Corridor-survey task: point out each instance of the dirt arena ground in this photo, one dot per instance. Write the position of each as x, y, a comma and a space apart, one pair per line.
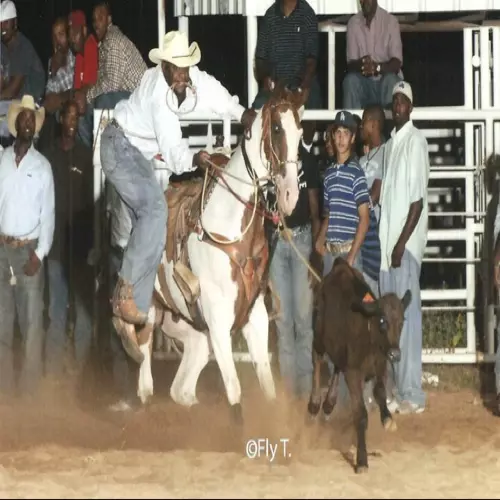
73, 447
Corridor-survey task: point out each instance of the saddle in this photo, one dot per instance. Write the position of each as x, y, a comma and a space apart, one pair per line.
184, 209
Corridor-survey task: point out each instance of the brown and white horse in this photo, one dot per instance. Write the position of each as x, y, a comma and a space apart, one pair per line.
228, 253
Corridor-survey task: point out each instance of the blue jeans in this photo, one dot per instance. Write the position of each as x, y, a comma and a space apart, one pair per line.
124, 369
25, 299
57, 339
294, 325
104, 101
134, 179
360, 91
408, 372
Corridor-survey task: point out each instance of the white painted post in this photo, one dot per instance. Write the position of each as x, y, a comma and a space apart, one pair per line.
496, 67
331, 68
484, 51
183, 24
468, 69
252, 33
161, 22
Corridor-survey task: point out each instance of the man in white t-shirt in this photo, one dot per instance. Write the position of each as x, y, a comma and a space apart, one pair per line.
403, 238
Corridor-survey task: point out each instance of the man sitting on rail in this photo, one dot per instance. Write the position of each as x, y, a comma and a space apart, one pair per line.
286, 52
374, 57
144, 124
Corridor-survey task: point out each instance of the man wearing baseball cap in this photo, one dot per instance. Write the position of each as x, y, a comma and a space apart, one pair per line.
349, 229
84, 46
26, 75
403, 237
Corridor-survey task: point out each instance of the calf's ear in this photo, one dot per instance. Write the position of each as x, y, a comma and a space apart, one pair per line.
406, 299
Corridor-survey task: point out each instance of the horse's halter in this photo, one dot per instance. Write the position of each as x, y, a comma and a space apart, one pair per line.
272, 163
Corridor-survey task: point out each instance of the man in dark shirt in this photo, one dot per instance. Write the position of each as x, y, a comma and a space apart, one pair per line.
69, 280
286, 53
22, 70
27, 75
289, 277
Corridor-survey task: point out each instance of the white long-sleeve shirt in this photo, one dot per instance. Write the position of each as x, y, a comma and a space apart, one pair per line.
152, 127
27, 203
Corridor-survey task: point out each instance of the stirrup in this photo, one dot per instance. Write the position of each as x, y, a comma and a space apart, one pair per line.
188, 283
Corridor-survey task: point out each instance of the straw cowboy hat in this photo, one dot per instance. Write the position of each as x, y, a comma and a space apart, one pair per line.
27, 102
176, 50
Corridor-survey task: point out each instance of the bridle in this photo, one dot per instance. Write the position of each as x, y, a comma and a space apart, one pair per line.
262, 185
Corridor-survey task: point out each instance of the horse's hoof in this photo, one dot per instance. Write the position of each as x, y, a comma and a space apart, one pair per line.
237, 414
390, 425
313, 408
361, 469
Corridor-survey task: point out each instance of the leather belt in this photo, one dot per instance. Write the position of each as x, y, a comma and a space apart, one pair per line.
337, 248
13, 242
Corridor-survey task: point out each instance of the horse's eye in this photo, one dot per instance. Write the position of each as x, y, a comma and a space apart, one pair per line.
383, 322
276, 128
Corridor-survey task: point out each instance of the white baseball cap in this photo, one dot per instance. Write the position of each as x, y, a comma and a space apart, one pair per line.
403, 88
7, 10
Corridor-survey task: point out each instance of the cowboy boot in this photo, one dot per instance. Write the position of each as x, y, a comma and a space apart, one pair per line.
124, 305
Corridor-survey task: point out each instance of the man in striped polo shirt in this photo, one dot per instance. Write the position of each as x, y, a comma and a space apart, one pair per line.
349, 227
286, 53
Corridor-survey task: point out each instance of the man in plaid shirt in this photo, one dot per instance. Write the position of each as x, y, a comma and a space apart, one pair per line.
61, 68
121, 68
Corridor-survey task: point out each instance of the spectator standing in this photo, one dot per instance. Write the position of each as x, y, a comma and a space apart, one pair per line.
290, 281
69, 281
403, 237
372, 126
26, 232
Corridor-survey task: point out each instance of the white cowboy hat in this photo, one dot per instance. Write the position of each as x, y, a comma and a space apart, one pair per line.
176, 50
7, 10
27, 102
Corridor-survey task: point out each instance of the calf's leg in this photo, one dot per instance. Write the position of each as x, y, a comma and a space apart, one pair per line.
315, 397
331, 396
379, 393
355, 383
